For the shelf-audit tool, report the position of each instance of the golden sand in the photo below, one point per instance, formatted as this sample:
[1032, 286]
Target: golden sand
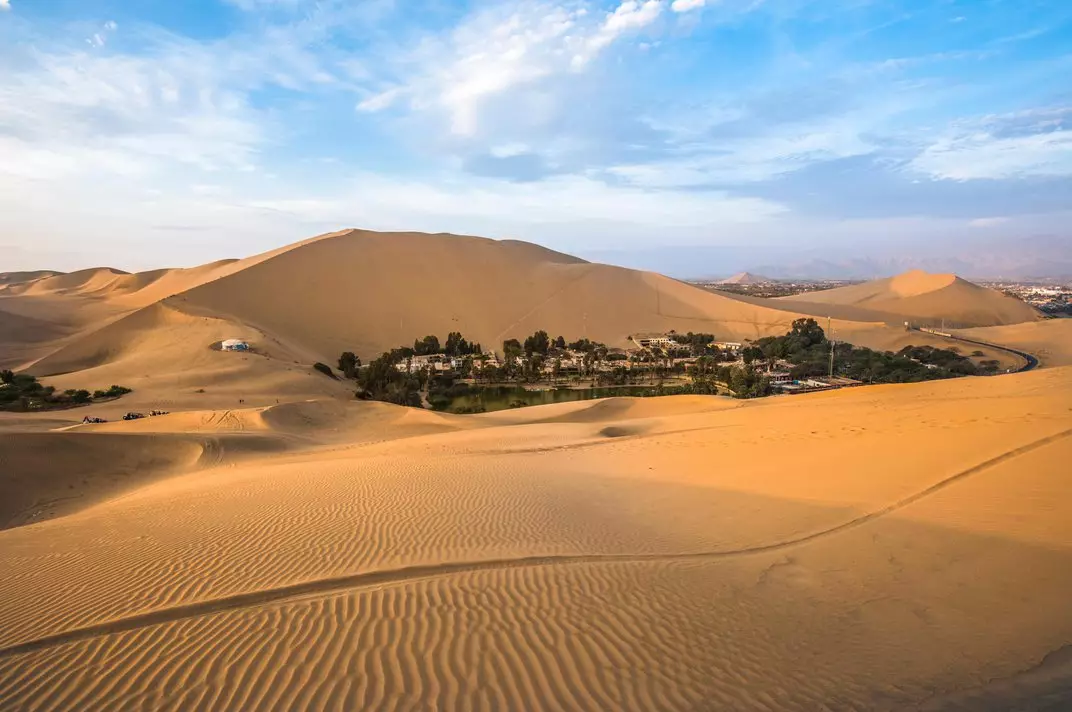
[886, 547]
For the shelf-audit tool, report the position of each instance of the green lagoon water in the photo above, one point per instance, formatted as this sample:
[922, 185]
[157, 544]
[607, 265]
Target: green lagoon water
[492, 398]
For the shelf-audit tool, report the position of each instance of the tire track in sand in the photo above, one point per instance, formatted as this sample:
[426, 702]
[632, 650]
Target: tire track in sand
[404, 574]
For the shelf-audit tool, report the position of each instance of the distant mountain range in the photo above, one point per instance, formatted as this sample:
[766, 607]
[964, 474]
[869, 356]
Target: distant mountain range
[1009, 258]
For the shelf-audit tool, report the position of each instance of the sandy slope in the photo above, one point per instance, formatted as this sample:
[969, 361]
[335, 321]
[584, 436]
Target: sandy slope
[7, 278]
[744, 278]
[350, 290]
[1050, 340]
[926, 299]
[375, 291]
[70, 306]
[166, 356]
[876, 548]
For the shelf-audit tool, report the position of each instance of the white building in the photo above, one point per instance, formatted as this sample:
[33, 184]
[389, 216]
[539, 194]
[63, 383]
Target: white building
[648, 341]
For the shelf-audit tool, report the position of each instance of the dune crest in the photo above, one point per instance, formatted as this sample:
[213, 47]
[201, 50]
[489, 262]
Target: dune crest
[920, 297]
[916, 282]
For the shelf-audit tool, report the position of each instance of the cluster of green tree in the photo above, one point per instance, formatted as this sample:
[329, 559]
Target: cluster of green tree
[700, 344]
[112, 392]
[741, 381]
[23, 392]
[807, 348]
[582, 345]
[526, 361]
[382, 381]
[456, 345]
[949, 359]
[349, 363]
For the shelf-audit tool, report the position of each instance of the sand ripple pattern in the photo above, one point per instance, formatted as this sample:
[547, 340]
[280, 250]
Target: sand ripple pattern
[600, 637]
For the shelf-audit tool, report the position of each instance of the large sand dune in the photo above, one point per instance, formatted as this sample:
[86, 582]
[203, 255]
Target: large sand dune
[351, 290]
[375, 291]
[922, 298]
[7, 278]
[880, 548]
[369, 292]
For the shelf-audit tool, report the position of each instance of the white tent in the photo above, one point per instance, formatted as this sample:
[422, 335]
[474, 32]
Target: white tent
[234, 345]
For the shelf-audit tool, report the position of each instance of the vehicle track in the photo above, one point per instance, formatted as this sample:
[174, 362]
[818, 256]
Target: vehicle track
[321, 587]
[554, 295]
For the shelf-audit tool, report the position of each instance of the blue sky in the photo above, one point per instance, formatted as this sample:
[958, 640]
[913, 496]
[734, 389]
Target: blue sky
[141, 134]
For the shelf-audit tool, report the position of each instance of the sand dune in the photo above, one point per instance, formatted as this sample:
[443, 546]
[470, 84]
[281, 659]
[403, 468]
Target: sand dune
[49, 474]
[380, 290]
[721, 556]
[275, 544]
[132, 290]
[376, 291]
[166, 356]
[7, 278]
[84, 282]
[744, 278]
[24, 337]
[1050, 340]
[923, 298]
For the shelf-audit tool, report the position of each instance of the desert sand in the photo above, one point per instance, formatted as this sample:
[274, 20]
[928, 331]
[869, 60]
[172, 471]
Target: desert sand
[885, 547]
[920, 297]
[1050, 340]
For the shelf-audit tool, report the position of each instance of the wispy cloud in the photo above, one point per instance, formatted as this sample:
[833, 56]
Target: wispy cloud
[629, 16]
[1027, 144]
[502, 49]
[988, 222]
[687, 5]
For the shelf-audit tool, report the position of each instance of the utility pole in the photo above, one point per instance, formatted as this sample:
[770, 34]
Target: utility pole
[830, 331]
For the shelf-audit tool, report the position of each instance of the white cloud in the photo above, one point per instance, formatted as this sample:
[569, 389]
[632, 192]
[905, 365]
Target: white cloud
[5, 4]
[981, 155]
[448, 203]
[759, 156]
[630, 15]
[687, 5]
[115, 112]
[507, 150]
[503, 49]
[380, 101]
[490, 55]
[99, 39]
[988, 222]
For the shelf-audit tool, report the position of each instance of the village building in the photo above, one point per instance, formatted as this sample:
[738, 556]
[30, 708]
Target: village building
[780, 378]
[648, 341]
